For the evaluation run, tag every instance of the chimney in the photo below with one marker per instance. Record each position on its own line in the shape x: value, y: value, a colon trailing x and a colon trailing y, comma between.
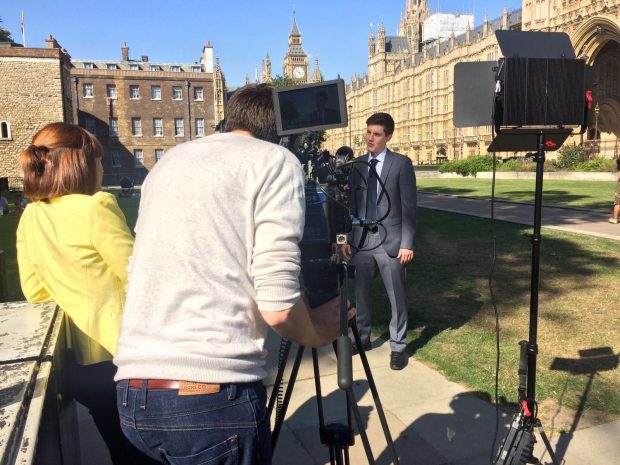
x: 145, y: 58
x: 50, y: 42
x: 125, y: 51
x: 207, y: 57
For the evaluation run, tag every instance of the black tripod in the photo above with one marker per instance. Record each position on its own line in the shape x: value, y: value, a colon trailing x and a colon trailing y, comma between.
x: 336, y: 436
x: 518, y: 446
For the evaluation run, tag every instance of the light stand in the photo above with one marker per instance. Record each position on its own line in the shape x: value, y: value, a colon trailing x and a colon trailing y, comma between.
x: 518, y: 446
x: 537, y: 94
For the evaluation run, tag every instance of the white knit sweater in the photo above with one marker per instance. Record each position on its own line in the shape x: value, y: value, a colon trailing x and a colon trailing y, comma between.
x: 216, y: 240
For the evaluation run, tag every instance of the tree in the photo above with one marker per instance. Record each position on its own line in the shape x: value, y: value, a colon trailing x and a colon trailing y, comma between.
x: 5, y: 36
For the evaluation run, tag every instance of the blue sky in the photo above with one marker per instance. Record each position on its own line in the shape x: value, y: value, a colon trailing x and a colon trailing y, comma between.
x: 242, y: 32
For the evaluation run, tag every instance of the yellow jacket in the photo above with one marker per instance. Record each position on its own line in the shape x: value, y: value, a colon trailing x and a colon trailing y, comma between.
x: 74, y: 250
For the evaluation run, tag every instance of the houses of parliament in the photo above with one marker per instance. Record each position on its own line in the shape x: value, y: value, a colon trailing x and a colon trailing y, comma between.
x: 411, y: 76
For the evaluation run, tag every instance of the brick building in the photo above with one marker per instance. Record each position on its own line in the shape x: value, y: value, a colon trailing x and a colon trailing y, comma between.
x: 34, y: 90
x: 138, y: 109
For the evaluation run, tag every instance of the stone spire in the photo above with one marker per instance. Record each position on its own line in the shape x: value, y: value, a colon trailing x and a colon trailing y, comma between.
x: 371, y: 43
x: 219, y: 91
x: 485, y: 26
x: 125, y: 51
x: 381, y: 38
x: 505, y: 18
x: 247, y: 80
x: 468, y: 34
x: 266, y: 71
x: 316, y: 75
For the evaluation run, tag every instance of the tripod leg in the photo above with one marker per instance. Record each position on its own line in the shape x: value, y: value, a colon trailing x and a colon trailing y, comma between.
x: 375, y: 394
x: 545, y: 440
x: 287, y: 397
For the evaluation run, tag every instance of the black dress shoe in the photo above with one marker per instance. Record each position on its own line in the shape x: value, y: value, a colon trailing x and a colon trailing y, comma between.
x: 398, y: 360
x: 365, y: 345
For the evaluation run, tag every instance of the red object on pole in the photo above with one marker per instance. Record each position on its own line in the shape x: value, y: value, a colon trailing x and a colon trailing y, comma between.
x: 589, y: 99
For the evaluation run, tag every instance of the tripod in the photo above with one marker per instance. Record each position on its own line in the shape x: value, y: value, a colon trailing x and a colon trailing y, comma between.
x: 518, y: 446
x: 336, y: 436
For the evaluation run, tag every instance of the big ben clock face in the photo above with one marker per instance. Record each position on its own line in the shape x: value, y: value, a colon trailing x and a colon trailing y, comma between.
x: 298, y: 72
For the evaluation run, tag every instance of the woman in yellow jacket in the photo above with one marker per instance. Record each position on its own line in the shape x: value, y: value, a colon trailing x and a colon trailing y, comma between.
x: 73, y: 246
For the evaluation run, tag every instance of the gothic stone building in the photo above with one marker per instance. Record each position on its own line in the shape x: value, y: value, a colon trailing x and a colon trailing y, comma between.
x: 35, y: 90
x: 412, y: 78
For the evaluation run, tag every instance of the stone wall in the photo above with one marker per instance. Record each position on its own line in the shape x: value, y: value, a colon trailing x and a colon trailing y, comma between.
x: 31, y: 96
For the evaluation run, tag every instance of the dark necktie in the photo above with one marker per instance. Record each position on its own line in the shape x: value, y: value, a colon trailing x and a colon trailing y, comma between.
x: 371, y: 194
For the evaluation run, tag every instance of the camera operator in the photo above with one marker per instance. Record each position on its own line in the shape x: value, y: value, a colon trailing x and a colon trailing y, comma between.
x: 389, y: 248
x: 216, y: 261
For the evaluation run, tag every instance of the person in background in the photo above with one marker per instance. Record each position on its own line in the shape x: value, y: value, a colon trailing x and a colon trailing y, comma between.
x: 4, y: 204
x: 616, y: 210
x: 73, y: 245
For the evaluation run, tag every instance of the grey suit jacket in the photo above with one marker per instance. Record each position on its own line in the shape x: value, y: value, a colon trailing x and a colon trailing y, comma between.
x: 398, y: 228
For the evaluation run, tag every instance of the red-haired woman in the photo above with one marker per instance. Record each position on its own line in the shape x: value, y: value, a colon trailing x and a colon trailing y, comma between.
x: 73, y: 245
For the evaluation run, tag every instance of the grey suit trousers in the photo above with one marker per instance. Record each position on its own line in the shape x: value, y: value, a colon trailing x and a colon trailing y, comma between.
x: 367, y: 262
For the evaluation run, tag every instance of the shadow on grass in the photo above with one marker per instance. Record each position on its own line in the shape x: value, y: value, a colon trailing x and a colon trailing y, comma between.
x: 448, y: 280
x: 448, y: 190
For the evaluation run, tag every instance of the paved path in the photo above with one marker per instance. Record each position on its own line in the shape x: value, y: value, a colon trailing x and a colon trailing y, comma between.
x: 593, y: 223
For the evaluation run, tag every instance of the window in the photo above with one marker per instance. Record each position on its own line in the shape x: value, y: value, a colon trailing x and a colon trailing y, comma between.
x: 154, y: 67
x: 138, y: 158
x: 88, y: 90
x: 175, y: 69
x: 134, y: 92
x: 134, y: 67
x: 200, y: 127
x: 158, y: 154
x: 111, y: 90
x: 113, y: 126
x: 136, y: 126
x: 155, y: 92
x: 158, y: 127
x: 111, y: 66
x: 177, y: 93
x: 90, y: 125
x: 196, y: 69
x: 178, y: 127
x: 5, y: 130
x: 89, y: 66
x: 116, y: 158
x: 198, y: 95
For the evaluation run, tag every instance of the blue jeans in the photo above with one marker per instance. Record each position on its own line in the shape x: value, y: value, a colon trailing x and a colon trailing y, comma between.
x: 230, y: 427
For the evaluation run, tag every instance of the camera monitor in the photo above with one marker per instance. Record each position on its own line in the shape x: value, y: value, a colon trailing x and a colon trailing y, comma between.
x: 310, y: 107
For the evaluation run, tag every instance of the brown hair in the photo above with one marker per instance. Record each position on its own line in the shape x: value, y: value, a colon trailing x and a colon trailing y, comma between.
x: 61, y: 160
x: 251, y: 109
x: 382, y: 119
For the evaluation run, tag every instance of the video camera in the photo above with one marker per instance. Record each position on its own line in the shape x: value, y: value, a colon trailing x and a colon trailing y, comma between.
x: 302, y: 113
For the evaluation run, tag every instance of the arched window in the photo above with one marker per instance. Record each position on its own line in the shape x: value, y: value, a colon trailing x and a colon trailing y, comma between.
x: 5, y: 130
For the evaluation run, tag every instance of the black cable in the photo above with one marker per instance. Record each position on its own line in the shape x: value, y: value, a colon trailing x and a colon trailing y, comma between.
x: 494, y: 303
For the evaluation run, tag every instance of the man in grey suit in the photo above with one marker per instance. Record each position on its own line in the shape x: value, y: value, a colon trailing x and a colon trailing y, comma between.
x: 390, y: 247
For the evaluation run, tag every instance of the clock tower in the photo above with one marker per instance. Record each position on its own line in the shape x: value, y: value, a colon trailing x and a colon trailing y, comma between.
x: 295, y: 60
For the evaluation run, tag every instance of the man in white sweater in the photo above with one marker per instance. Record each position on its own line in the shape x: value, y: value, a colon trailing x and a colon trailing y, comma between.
x: 216, y: 261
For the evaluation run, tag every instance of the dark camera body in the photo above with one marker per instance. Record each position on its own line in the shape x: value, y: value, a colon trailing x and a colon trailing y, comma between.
x: 326, y: 218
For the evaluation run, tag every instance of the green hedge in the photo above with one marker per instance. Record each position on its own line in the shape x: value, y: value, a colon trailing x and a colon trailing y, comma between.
x: 468, y: 166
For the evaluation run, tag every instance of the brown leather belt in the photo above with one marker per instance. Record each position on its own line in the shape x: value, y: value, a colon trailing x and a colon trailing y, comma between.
x: 185, y: 388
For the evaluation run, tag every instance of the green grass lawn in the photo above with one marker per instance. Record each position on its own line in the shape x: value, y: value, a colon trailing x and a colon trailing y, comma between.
x: 452, y: 319
x: 594, y: 195
x: 451, y: 316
